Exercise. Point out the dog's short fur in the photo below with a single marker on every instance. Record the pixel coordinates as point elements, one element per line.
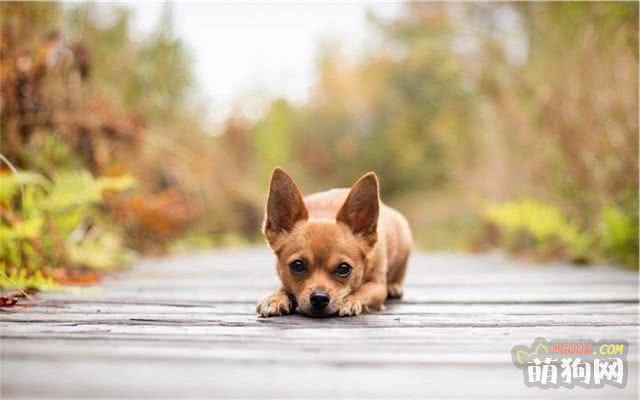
<point>338,252</point>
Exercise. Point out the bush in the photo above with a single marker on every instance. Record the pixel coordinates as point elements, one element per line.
<point>545,230</point>
<point>58,223</point>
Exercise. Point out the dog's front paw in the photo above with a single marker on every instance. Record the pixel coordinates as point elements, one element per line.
<point>275,305</point>
<point>351,306</point>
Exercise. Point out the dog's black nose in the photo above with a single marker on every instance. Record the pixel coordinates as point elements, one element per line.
<point>319,299</point>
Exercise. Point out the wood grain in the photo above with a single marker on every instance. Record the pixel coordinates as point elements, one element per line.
<point>185,327</point>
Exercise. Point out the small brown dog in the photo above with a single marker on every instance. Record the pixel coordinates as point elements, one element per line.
<point>338,252</point>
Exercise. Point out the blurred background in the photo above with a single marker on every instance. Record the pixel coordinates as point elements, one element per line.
<point>153,128</point>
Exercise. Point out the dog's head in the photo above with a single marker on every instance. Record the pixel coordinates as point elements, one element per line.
<point>321,261</point>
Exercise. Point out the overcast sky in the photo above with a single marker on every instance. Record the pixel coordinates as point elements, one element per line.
<point>246,53</point>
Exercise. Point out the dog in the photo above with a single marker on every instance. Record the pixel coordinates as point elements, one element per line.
<point>340,252</point>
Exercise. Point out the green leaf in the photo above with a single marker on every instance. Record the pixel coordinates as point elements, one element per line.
<point>118,183</point>
<point>10,184</point>
<point>104,252</point>
<point>21,279</point>
<point>28,229</point>
<point>79,188</point>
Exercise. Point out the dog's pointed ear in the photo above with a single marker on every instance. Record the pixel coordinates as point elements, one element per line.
<point>361,208</point>
<point>285,205</point>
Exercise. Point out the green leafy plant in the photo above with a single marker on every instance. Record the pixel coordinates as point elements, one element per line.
<point>545,225</point>
<point>21,279</point>
<point>53,223</point>
<point>619,233</point>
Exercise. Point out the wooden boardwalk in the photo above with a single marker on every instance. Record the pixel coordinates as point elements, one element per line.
<point>185,327</point>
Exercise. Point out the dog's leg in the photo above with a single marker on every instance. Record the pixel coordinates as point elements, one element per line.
<point>395,279</point>
<point>367,297</point>
<point>278,303</point>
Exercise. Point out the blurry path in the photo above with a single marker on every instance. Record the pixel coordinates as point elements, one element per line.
<point>186,327</point>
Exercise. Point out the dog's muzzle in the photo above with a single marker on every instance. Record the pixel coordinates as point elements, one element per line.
<point>319,300</point>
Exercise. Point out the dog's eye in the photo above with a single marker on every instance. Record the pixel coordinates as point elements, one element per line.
<point>297,266</point>
<point>343,270</point>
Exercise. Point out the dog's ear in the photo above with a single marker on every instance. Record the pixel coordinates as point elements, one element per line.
<point>285,205</point>
<point>361,208</point>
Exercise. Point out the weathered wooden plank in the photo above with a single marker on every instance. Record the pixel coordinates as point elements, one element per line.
<point>72,307</point>
<point>45,320</point>
<point>314,331</point>
<point>175,379</point>
<point>265,287</point>
<point>424,278</point>
<point>356,353</point>
<point>514,294</point>
<point>388,353</point>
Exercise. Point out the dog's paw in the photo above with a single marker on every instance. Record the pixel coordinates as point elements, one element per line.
<point>350,307</point>
<point>394,291</point>
<point>275,305</point>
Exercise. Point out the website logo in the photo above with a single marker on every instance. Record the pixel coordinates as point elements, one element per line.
<point>567,363</point>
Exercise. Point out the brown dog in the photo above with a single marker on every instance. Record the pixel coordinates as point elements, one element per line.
<point>338,252</point>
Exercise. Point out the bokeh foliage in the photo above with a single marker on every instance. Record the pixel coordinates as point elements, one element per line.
<point>458,113</point>
<point>512,125</point>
